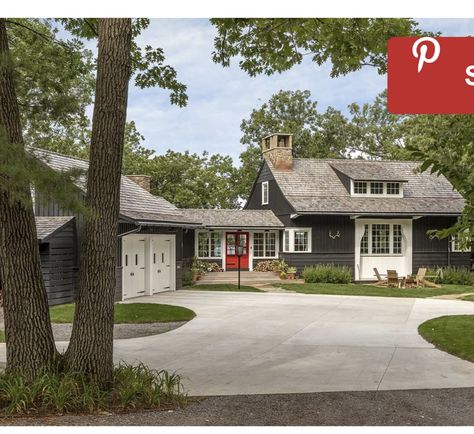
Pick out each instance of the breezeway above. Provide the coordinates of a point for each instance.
(249, 343)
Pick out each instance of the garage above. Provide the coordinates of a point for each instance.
(148, 264)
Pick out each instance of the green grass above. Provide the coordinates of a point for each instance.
(359, 289)
(2, 336)
(133, 313)
(223, 287)
(468, 297)
(453, 334)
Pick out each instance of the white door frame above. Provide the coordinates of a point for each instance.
(407, 244)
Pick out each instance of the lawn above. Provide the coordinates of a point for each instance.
(453, 334)
(359, 289)
(133, 313)
(468, 297)
(223, 287)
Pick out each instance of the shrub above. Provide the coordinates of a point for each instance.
(134, 387)
(213, 267)
(275, 265)
(188, 275)
(456, 276)
(327, 274)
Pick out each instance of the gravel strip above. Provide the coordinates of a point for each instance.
(402, 407)
(62, 332)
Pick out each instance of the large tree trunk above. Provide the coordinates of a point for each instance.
(91, 346)
(29, 338)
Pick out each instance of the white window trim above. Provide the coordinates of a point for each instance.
(291, 232)
(369, 240)
(265, 186)
(453, 246)
(196, 244)
(276, 245)
(384, 194)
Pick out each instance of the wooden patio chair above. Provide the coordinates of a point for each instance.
(392, 278)
(420, 277)
(380, 280)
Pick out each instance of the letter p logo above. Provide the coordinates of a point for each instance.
(421, 55)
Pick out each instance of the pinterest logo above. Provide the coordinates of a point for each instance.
(423, 44)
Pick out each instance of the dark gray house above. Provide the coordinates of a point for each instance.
(359, 213)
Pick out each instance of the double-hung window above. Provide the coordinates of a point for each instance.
(209, 245)
(297, 240)
(264, 244)
(265, 193)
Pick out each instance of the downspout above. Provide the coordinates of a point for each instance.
(133, 231)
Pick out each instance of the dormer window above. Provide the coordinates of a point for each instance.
(360, 187)
(376, 188)
(265, 193)
(393, 188)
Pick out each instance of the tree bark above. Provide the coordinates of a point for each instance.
(91, 345)
(29, 337)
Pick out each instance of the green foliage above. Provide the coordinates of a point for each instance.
(54, 81)
(269, 45)
(455, 276)
(148, 67)
(445, 145)
(130, 313)
(452, 334)
(327, 274)
(188, 276)
(315, 135)
(133, 387)
(23, 169)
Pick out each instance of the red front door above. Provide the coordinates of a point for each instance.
(232, 240)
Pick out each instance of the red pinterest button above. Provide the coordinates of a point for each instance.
(430, 75)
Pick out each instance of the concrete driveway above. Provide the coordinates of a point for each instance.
(248, 343)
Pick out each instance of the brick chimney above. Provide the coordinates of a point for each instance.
(278, 148)
(142, 180)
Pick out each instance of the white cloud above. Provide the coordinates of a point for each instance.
(219, 98)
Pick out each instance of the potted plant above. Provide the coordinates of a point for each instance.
(283, 275)
(291, 273)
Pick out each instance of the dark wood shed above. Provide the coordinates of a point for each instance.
(58, 250)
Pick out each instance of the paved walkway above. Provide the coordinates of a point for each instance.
(249, 343)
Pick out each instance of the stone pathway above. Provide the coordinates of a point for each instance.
(268, 287)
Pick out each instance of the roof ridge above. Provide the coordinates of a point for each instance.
(353, 160)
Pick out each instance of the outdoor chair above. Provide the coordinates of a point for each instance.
(392, 278)
(380, 280)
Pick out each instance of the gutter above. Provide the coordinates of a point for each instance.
(133, 231)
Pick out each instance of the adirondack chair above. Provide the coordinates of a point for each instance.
(420, 277)
(380, 280)
(392, 278)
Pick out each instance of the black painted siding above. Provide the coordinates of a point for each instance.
(326, 247)
(59, 265)
(276, 201)
(433, 252)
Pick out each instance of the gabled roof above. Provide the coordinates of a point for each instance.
(234, 218)
(48, 226)
(136, 204)
(313, 187)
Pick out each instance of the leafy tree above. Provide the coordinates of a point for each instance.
(375, 133)
(54, 80)
(30, 343)
(269, 45)
(445, 145)
(315, 135)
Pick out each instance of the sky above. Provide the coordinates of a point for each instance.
(219, 98)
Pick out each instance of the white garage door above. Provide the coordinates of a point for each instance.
(161, 268)
(133, 263)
